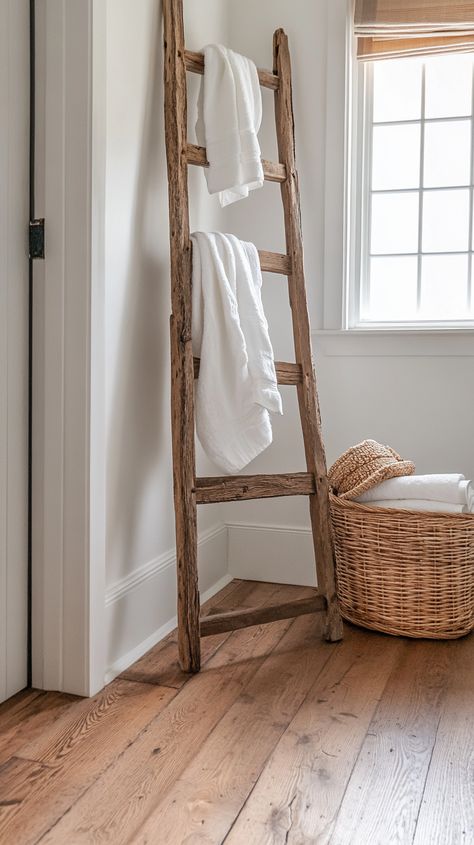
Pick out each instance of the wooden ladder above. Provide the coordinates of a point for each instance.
(190, 491)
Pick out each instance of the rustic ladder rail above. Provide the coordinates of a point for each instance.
(190, 491)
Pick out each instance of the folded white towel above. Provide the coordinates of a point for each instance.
(418, 505)
(230, 114)
(237, 384)
(449, 487)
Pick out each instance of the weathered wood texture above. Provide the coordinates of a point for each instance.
(287, 373)
(52, 770)
(395, 755)
(182, 371)
(298, 795)
(274, 262)
(241, 487)
(307, 393)
(203, 802)
(280, 740)
(234, 619)
(272, 171)
(121, 800)
(161, 666)
(195, 64)
(188, 491)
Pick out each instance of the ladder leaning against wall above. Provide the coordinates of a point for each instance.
(190, 491)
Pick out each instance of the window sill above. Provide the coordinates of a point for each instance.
(406, 342)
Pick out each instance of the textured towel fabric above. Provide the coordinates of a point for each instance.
(450, 488)
(418, 505)
(237, 384)
(230, 114)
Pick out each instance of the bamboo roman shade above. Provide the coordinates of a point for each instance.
(394, 28)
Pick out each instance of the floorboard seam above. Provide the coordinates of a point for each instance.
(428, 769)
(124, 750)
(213, 728)
(330, 655)
(374, 714)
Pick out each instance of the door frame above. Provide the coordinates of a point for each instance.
(68, 410)
(14, 282)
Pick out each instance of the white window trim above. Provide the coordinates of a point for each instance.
(343, 90)
(358, 226)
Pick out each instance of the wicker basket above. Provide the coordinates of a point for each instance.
(408, 573)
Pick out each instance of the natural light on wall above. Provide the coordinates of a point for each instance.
(417, 235)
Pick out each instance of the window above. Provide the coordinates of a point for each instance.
(412, 258)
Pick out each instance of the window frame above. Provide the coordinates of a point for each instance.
(358, 207)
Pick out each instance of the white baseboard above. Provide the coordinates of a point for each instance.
(140, 608)
(283, 554)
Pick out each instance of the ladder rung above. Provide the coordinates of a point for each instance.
(234, 619)
(286, 373)
(233, 488)
(273, 171)
(274, 262)
(195, 64)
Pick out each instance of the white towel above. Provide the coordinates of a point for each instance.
(448, 488)
(418, 505)
(230, 114)
(237, 384)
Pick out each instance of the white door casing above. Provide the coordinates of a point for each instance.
(68, 473)
(14, 146)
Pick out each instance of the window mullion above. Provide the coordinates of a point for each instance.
(364, 294)
(471, 203)
(420, 190)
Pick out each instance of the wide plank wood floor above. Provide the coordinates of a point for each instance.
(282, 739)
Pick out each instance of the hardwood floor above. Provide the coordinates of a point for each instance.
(281, 739)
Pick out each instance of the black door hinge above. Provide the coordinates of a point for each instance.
(36, 238)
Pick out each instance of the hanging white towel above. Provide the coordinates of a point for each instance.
(237, 384)
(230, 114)
(448, 488)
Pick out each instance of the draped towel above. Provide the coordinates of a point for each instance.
(237, 385)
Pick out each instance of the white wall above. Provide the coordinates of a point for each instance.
(140, 518)
(412, 392)
(260, 219)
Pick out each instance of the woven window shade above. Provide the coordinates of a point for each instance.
(387, 29)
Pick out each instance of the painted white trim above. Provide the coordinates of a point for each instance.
(68, 373)
(138, 651)
(14, 90)
(337, 171)
(149, 570)
(282, 554)
(394, 343)
(137, 606)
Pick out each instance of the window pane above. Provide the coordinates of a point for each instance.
(447, 153)
(397, 90)
(445, 221)
(396, 156)
(394, 223)
(393, 284)
(448, 86)
(444, 287)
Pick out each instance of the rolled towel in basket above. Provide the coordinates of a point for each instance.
(449, 488)
(418, 505)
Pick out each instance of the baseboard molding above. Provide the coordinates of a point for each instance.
(140, 608)
(283, 554)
